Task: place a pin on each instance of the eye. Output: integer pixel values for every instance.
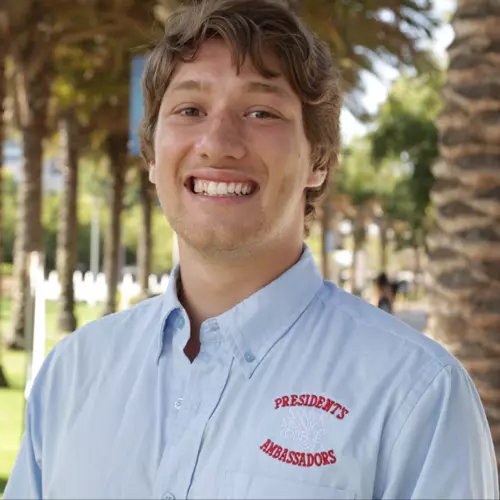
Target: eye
(190, 112)
(262, 115)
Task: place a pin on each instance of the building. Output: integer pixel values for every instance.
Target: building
(52, 179)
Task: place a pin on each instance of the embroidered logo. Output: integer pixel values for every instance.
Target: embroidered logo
(306, 427)
(298, 458)
(312, 401)
(303, 426)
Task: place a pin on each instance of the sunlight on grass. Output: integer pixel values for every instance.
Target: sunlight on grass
(84, 314)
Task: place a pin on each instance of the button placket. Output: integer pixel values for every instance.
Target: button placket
(183, 457)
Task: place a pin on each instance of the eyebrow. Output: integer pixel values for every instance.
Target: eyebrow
(254, 87)
(266, 88)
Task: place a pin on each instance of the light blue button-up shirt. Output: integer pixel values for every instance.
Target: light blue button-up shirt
(300, 391)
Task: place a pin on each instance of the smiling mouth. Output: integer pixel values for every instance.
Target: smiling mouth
(222, 189)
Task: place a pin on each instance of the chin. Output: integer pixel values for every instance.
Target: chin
(221, 240)
(216, 243)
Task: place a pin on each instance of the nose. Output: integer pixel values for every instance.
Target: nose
(221, 139)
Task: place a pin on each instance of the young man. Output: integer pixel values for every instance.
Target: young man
(251, 377)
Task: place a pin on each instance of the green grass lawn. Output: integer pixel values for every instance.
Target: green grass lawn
(11, 413)
(11, 399)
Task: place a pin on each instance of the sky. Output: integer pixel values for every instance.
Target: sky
(377, 89)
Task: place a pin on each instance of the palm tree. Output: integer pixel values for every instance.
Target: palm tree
(68, 222)
(359, 37)
(97, 74)
(70, 63)
(31, 54)
(110, 122)
(3, 379)
(364, 207)
(361, 33)
(34, 28)
(363, 188)
(464, 267)
(77, 54)
(116, 148)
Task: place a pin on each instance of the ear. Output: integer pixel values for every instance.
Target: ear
(316, 178)
(152, 172)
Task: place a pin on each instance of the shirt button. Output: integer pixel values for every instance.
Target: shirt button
(249, 357)
(169, 496)
(178, 403)
(179, 322)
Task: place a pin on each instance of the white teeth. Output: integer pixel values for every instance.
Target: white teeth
(212, 188)
(198, 186)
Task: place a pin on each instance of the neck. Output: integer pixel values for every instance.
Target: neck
(211, 286)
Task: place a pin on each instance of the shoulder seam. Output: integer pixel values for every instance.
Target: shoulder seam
(442, 363)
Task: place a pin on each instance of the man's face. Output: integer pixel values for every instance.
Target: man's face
(231, 155)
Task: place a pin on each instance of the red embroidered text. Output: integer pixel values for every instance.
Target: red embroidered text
(298, 458)
(313, 401)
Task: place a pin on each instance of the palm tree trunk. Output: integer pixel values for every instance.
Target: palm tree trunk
(28, 225)
(358, 234)
(68, 222)
(464, 247)
(32, 58)
(29, 236)
(145, 243)
(117, 155)
(417, 271)
(383, 247)
(3, 379)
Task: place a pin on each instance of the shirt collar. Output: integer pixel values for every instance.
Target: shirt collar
(170, 304)
(255, 325)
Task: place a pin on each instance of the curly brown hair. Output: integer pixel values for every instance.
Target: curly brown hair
(254, 28)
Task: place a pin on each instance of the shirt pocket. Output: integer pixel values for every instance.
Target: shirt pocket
(256, 487)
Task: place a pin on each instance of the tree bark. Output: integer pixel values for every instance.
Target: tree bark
(29, 236)
(3, 379)
(359, 236)
(32, 56)
(383, 247)
(145, 241)
(417, 271)
(68, 222)
(117, 156)
(464, 246)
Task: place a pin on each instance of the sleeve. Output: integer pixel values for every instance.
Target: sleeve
(25, 481)
(444, 449)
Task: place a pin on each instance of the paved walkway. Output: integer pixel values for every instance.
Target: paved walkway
(414, 315)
